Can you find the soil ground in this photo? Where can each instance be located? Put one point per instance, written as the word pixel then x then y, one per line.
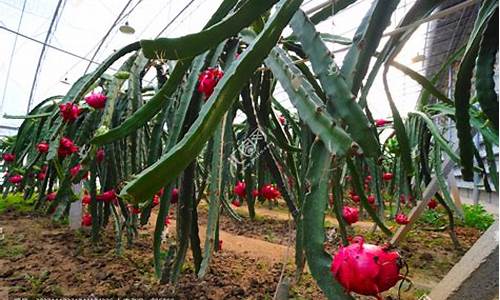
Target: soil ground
pixel 38 257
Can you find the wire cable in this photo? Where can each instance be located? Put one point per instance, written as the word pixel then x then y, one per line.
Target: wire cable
pixel 12 58
pixel 53 25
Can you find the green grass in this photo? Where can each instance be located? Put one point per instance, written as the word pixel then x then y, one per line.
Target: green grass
pixel 476 216
pixel 17 203
pixel 9 248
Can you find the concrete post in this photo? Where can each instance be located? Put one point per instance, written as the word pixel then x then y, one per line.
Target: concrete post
pixel 475 276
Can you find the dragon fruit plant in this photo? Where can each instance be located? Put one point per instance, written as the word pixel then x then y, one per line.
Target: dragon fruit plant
pixel 141 149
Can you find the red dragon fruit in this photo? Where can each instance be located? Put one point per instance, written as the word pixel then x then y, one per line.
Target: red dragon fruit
pixel 86 220
pixel 270 192
pixel 255 193
pixel 174 196
pixel 387 176
pixel 42 147
pixel 69 112
pixel 239 189
pixel 107 196
pixel 371 199
pixel 208 80
pixel 402 219
pixel 381 122
pixel 366 269
pixel 355 198
pixel 100 155
pixel 66 147
pixel 86 199
pixel 134 210
pixel 432 204
pixel 236 203
pixel 15 179
pixel 75 169
pixel 368 179
pixel 52 196
pixel 8 157
pixel 96 100
pixel 156 200
pixel 41 176
pixel 350 214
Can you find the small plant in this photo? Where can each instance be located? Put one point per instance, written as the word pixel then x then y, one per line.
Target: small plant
pixel 477 217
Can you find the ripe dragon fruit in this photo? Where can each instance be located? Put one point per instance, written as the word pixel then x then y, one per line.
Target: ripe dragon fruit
pixel 174 196
pixel 355 197
pixel 402 219
pixel 52 196
pixel 371 199
pixel 96 100
pixel 41 176
pixel 107 196
pixel 42 147
pixel 100 154
pixel 66 147
pixel 86 220
pixel 69 112
pixel 432 204
pixel 350 214
pixel 239 189
pixel 381 122
pixel 86 199
pixel 366 269
pixel 15 179
pixel 387 176
pixel 270 192
pixel 236 203
pixel 8 157
pixel 208 80
pixel 156 200
pixel 75 169
pixel 134 210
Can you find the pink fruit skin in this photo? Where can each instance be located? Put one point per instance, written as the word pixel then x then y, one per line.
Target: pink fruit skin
pixel 366 269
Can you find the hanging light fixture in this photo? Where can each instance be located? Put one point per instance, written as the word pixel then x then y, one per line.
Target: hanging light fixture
pixel 127 29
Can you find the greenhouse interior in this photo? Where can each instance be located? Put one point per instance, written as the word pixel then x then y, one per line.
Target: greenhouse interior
pixel 249 149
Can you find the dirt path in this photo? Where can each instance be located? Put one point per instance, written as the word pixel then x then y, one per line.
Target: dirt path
pixel 256 248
